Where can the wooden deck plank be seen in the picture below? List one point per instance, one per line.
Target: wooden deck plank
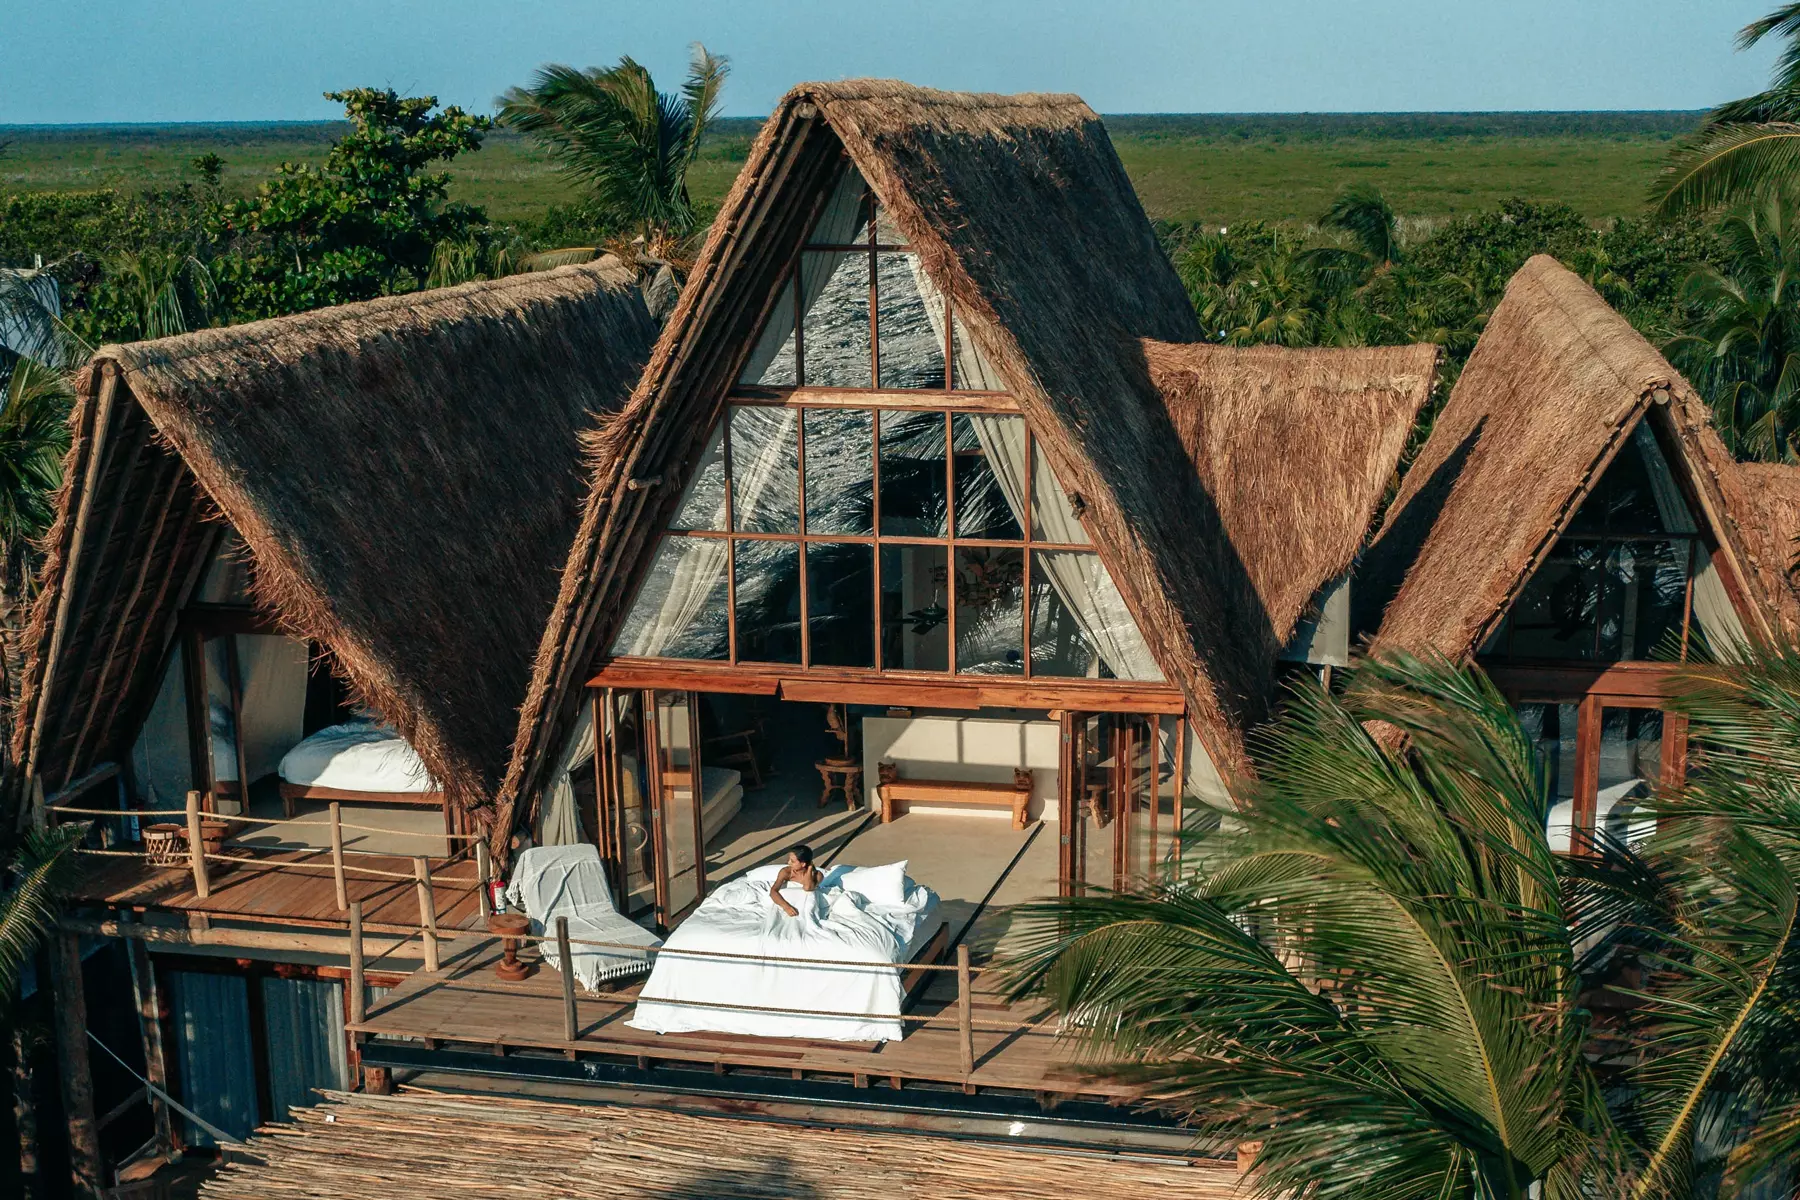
(467, 1003)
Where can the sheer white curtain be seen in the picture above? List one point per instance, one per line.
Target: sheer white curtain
(837, 225)
(1080, 579)
(559, 823)
(1713, 610)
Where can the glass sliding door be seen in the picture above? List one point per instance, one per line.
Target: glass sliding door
(627, 835)
(1118, 802)
(680, 846)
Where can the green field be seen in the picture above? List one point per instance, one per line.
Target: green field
(1212, 168)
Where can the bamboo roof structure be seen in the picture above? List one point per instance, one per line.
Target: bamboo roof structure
(406, 476)
(361, 1147)
(1020, 211)
(1554, 388)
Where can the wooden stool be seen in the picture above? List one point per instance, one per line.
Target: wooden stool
(512, 928)
(840, 775)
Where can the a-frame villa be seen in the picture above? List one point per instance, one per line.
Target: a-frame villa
(931, 535)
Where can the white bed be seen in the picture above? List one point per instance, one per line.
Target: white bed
(358, 760)
(1616, 810)
(855, 1004)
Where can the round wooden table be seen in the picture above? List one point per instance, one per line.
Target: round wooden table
(512, 929)
(841, 775)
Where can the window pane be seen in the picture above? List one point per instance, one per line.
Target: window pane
(912, 346)
(703, 504)
(913, 502)
(990, 611)
(765, 469)
(988, 450)
(1053, 518)
(771, 363)
(836, 350)
(886, 232)
(1556, 614)
(969, 370)
(846, 214)
(1630, 766)
(1646, 594)
(1552, 728)
(1080, 626)
(768, 601)
(840, 471)
(915, 629)
(680, 609)
(840, 604)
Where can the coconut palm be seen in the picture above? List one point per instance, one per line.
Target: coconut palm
(41, 871)
(1744, 349)
(165, 293)
(1744, 147)
(610, 130)
(1370, 970)
(1363, 213)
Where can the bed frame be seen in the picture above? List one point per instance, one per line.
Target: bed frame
(914, 981)
(291, 792)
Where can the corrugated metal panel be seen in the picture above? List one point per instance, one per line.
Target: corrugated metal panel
(306, 1041)
(212, 1047)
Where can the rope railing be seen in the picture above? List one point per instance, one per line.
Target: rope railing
(297, 822)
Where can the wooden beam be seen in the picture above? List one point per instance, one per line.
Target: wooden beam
(384, 946)
(73, 1069)
(1587, 776)
(339, 889)
(933, 401)
(149, 1010)
(197, 847)
(359, 996)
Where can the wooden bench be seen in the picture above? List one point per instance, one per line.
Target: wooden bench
(1015, 795)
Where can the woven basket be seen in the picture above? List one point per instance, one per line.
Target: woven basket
(164, 844)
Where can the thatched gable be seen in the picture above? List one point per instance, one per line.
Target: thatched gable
(1019, 209)
(1770, 525)
(406, 474)
(1297, 449)
(1553, 389)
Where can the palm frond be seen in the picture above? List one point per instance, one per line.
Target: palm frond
(1727, 164)
(43, 868)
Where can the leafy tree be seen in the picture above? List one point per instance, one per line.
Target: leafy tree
(365, 224)
(609, 129)
(1376, 968)
(1747, 146)
(1743, 349)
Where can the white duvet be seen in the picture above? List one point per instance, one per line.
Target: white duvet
(855, 1003)
(357, 757)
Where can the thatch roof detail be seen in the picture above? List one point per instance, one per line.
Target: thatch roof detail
(406, 474)
(1297, 449)
(1554, 387)
(1021, 211)
(1770, 524)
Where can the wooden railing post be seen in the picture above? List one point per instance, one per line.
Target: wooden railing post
(427, 911)
(337, 857)
(484, 870)
(965, 1012)
(359, 993)
(567, 962)
(196, 847)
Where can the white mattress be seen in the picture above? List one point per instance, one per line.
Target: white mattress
(1615, 811)
(851, 1003)
(357, 757)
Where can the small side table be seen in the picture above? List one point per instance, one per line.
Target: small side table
(841, 775)
(512, 929)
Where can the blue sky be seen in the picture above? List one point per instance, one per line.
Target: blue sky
(198, 60)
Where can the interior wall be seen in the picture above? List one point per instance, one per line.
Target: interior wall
(971, 749)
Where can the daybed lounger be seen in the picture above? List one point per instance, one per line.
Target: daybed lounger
(569, 881)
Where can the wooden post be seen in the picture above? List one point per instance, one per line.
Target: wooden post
(427, 912)
(337, 856)
(197, 848)
(143, 986)
(359, 991)
(484, 873)
(378, 1081)
(965, 1012)
(25, 1106)
(73, 1069)
(563, 957)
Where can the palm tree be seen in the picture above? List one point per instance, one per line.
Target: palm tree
(609, 129)
(1747, 146)
(1744, 350)
(1363, 213)
(166, 293)
(42, 869)
(1369, 968)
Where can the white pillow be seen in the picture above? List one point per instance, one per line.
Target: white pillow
(763, 874)
(885, 886)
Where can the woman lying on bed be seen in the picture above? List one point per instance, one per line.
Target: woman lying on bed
(799, 870)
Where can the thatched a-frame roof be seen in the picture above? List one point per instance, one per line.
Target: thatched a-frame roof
(1770, 524)
(1020, 210)
(406, 474)
(1553, 389)
(1297, 448)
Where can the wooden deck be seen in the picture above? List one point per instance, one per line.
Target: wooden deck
(292, 887)
(467, 1005)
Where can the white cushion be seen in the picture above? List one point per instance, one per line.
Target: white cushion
(878, 885)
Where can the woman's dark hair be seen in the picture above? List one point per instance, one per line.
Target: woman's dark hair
(802, 852)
